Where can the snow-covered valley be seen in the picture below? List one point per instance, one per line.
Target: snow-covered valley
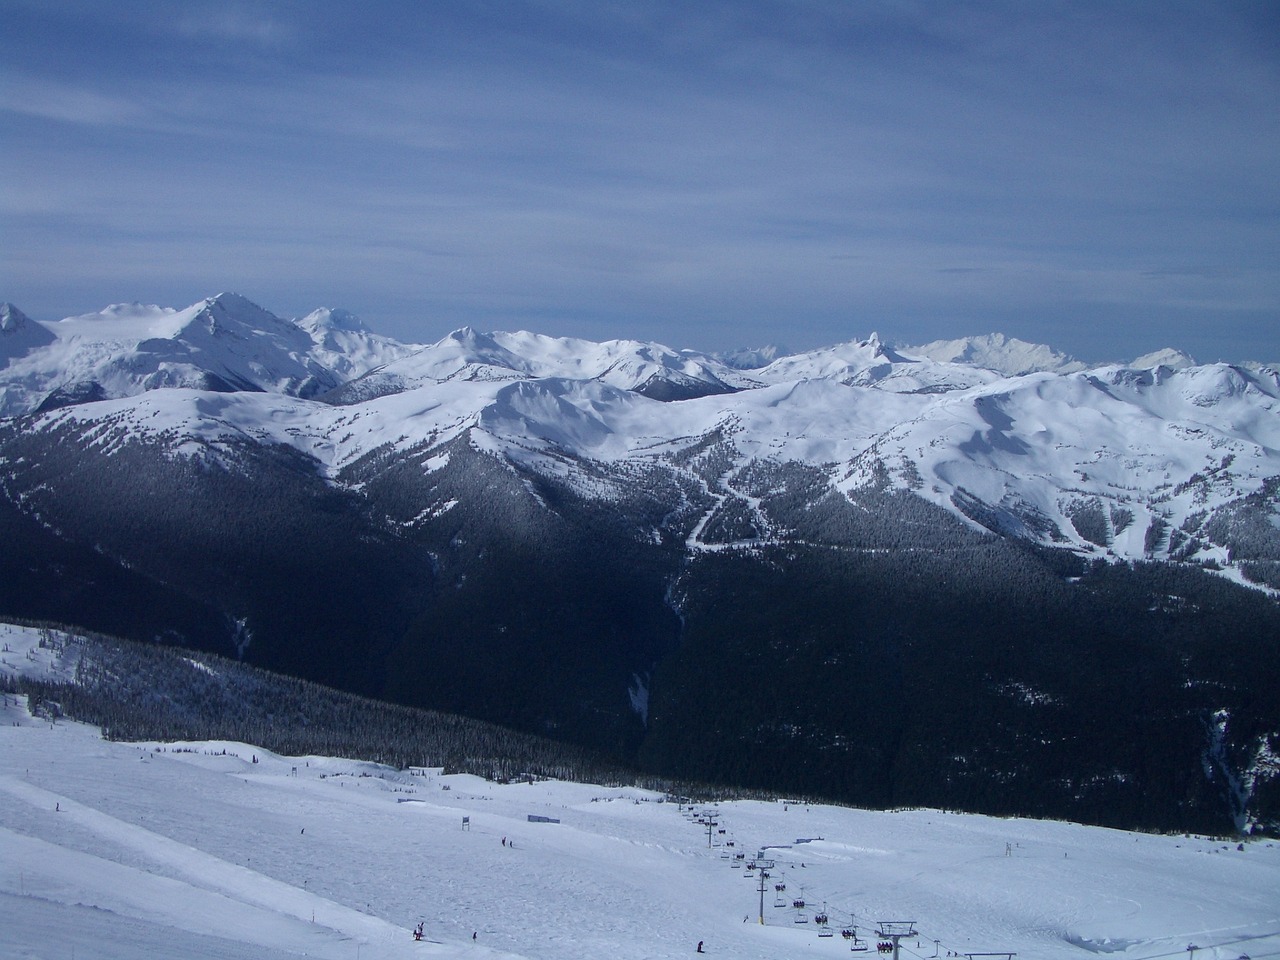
(223, 850)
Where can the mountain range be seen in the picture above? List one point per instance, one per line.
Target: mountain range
(976, 573)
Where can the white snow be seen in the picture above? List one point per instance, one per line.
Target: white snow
(1162, 439)
(195, 850)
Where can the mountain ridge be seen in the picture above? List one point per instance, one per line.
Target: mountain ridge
(521, 528)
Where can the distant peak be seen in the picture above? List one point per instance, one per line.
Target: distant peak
(470, 336)
(330, 318)
(231, 300)
(238, 310)
(995, 351)
(12, 319)
(751, 359)
(1169, 357)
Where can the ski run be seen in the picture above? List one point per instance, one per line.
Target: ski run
(223, 850)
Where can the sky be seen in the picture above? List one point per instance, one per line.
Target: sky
(1101, 177)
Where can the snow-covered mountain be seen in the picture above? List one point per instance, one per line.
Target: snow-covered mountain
(1113, 460)
(222, 850)
(1168, 357)
(19, 334)
(345, 345)
(223, 344)
(1007, 355)
(649, 369)
(565, 536)
(871, 363)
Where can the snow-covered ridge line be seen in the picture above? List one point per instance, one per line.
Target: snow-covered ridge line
(227, 342)
(1114, 460)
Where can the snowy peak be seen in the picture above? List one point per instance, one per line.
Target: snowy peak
(224, 343)
(19, 334)
(329, 319)
(871, 362)
(995, 351)
(344, 344)
(650, 369)
(12, 320)
(750, 359)
(1167, 357)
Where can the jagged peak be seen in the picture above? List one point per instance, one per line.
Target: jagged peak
(12, 319)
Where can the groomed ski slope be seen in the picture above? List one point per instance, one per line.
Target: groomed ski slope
(118, 850)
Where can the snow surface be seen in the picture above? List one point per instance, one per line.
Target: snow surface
(118, 850)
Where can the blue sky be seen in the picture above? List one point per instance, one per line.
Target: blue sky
(1104, 178)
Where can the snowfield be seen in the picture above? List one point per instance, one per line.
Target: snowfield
(223, 850)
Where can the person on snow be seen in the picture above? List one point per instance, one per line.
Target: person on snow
(417, 931)
(700, 950)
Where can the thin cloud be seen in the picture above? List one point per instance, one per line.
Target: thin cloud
(67, 103)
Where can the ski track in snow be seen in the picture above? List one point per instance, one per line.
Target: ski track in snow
(194, 850)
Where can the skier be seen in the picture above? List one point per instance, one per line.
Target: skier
(700, 950)
(417, 931)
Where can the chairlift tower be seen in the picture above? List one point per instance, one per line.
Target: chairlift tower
(763, 877)
(895, 930)
(711, 823)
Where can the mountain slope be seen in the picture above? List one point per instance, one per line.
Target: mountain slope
(527, 530)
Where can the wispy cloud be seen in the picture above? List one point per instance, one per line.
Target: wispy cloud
(645, 163)
(67, 103)
(248, 24)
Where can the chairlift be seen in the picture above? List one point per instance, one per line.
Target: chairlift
(826, 931)
(798, 904)
(802, 918)
(779, 902)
